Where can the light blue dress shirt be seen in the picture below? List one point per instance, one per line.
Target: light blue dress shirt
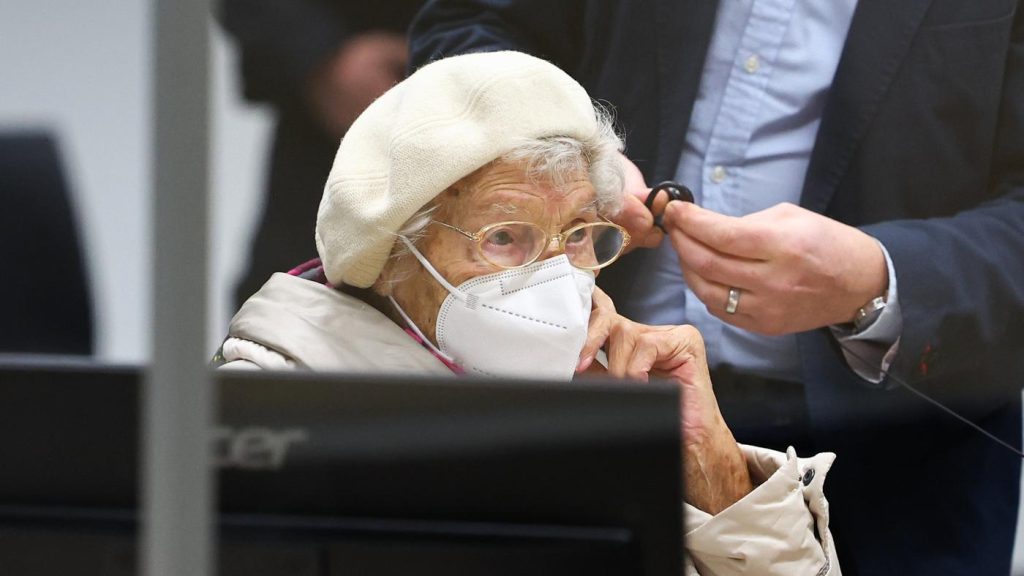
(768, 70)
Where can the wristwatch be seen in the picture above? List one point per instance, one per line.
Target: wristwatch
(868, 313)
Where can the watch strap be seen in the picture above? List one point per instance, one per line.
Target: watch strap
(868, 313)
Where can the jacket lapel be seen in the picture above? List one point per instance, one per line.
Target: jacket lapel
(681, 53)
(878, 40)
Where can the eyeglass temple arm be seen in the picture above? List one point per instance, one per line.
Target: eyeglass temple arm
(469, 235)
(625, 233)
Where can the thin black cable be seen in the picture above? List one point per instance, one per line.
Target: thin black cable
(937, 404)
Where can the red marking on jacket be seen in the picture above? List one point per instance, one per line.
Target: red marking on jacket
(922, 365)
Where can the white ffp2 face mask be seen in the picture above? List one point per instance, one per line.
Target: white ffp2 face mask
(528, 322)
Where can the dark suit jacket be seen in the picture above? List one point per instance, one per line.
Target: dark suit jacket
(922, 146)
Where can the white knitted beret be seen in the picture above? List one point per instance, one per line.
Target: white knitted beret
(448, 119)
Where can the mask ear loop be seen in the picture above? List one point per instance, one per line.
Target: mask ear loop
(462, 296)
(419, 333)
(470, 300)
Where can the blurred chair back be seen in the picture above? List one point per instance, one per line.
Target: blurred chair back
(44, 289)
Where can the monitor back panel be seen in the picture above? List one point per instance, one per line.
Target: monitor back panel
(346, 474)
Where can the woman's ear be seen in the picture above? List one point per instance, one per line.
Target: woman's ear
(399, 267)
(382, 287)
(385, 283)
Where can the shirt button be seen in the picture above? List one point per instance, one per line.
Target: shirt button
(808, 476)
(752, 64)
(718, 174)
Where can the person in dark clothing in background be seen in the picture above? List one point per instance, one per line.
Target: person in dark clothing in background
(318, 63)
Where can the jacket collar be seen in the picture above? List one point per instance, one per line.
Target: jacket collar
(325, 330)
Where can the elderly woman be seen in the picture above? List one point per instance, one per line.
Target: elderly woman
(461, 229)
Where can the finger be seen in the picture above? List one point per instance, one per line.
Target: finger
(715, 266)
(642, 357)
(755, 311)
(664, 349)
(750, 311)
(744, 237)
(691, 344)
(600, 299)
(715, 297)
(635, 217)
(595, 369)
(638, 221)
(621, 341)
(661, 200)
(652, 239)
(602, 313)
(748, 322)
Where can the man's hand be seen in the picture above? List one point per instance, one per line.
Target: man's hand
(635, 217)
(364, 67)
(715, 470)
(796, 270)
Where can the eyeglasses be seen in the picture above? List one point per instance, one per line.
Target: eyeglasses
(589, 246)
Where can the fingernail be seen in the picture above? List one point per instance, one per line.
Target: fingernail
(584, 363)
(674, 206)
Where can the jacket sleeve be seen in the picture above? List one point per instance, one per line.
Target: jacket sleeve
(549, 30)
(242, 353)
(961, 278)
(779, 528)
(281, 43)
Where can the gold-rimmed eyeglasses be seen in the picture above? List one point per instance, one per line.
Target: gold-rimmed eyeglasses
(590, 246)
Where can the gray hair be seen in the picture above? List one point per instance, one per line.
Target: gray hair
(555, 159)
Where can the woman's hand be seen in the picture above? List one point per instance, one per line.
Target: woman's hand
(602, 317)
(715, 471)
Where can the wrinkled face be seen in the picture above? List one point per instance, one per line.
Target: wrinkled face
(498, 192)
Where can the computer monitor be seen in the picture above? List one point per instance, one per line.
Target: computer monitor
(352, 474)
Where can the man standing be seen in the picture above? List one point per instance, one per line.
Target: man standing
(859, 168)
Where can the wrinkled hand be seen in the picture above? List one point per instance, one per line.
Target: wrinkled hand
(635, 217)
(797, 270)
(602, 317)
(715, 471)
(364, 67)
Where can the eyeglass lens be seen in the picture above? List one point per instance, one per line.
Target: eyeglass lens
(518, 243)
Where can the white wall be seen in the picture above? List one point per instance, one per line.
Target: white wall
(83, 69)
(80, 69)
